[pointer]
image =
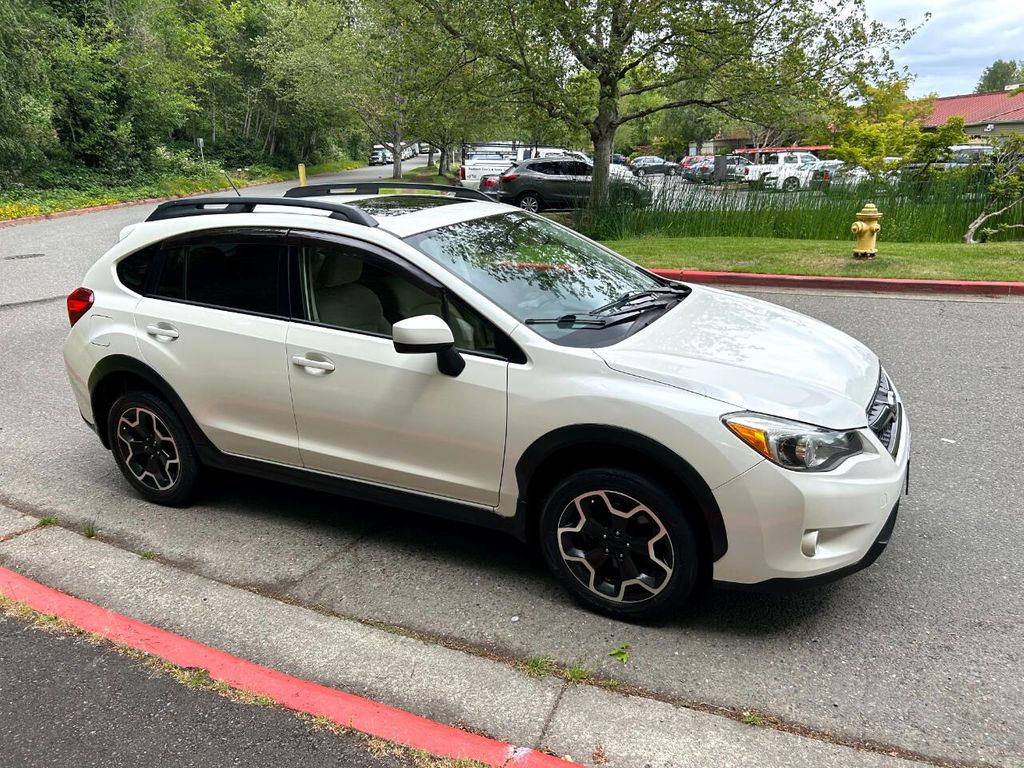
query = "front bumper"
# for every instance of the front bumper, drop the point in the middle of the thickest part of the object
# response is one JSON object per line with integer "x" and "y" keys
{"x": 849, "y": 513}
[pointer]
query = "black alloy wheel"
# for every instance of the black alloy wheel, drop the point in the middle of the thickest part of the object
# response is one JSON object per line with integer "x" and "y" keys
{"x": 152, "y": 448}
{"x": 619, "y": 543}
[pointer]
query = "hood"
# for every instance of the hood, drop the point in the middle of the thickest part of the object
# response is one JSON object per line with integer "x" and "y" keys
{"x": 755, "y": 356}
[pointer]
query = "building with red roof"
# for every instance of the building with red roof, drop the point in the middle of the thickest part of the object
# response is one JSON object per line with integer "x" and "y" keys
{"x": 985, "y": 114}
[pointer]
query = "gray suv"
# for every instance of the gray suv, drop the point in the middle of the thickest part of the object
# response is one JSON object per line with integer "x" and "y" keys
{"x": 561, "y": 182}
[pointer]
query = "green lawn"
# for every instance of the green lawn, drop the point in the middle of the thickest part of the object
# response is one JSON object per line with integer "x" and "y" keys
{"x": 932, "y": 261}
{"x": 426, "y": 175}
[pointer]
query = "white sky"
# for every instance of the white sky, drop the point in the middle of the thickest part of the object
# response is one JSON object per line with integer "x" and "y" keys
{"x": 963, "y": 37}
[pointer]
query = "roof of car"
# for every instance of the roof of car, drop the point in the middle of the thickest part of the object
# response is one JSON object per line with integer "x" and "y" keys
{"x": 408, "y": 214}
{"x": 400, "y": 208}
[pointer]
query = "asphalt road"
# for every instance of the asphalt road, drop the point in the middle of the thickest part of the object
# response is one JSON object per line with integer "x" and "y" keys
{"x": 922, "y": 650}
{"x": 67, "y": 702}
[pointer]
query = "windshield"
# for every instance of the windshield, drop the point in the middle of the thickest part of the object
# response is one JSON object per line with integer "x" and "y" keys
{"x": 533, "y": 269}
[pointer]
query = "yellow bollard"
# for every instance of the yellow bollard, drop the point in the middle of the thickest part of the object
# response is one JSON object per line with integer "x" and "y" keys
{"x": 302, "y": 174}
{"x": 866, "y": 228}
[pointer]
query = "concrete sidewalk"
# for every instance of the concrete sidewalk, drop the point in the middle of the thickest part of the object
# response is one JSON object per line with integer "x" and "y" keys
{"x": 586, "y": 723}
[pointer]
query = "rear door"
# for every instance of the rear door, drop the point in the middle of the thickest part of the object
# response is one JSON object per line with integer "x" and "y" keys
{"x": 213, "y": 324}
{"x": 579, "y": 176}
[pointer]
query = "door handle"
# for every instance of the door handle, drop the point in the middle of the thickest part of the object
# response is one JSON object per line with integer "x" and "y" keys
{"x": 161, "y": 332}
{"x": 318, "y": 367}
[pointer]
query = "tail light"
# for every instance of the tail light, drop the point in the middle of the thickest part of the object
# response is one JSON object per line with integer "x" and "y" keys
{"x": 827, "y": 175}
{"x": 462, "y": 172}
{"x": 510, "y": 177}
{"x": 746, "y": 171}
{"x": 79, "y": 302}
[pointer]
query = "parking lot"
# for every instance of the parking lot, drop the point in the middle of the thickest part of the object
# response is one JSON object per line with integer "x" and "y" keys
{"x": 921, "y": 651}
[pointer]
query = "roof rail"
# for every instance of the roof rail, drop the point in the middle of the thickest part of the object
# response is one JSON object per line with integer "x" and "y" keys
{"x": 209, "y": 206}
{"x": 374, "y": 188}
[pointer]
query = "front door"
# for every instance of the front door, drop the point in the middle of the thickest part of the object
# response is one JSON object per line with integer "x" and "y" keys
{"x": 363, "y": 410}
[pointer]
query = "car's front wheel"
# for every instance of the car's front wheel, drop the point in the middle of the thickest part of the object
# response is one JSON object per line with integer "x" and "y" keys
{"x": 792, "y": 184}
{"x": 152, "y": 448}
{"x": 620, "y": 543}
{"x": 530, "y": 201}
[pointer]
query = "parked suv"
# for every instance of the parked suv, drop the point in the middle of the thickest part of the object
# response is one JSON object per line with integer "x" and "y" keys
{"x": 443, "y": 352}
{"x": 562, "y": 182}
{"x": 647, "y": 165}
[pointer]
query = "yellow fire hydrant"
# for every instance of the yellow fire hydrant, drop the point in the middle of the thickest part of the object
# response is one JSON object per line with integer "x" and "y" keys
{"x": 866, "y": 229}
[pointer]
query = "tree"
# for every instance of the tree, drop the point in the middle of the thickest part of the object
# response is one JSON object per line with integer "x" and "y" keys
{"x": 25, "y": 99}
{"x": 582, "y": 60}
{"x": 1005, "y": 190}
{"x": 1000, "y": 74}
{"x": 886, "y": 123}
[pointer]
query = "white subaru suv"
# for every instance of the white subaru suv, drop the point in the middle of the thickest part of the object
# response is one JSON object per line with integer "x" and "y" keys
{"x": 431, "y": 349}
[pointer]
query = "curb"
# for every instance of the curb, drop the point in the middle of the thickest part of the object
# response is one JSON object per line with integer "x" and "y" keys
{"x": 876, "y": 284}
{"x": 345, "y": 709}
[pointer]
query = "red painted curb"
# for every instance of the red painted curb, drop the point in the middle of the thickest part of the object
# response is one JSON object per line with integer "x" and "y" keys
{"x": 345, "y": 709}
{"x": 886, "y": 285}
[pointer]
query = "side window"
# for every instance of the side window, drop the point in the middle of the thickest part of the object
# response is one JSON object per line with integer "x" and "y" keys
{"x": 581, "y": 169}
{"x": 346, "y": 287}
{"x": 132, "y": 271}
{"x": 548, "y": 169}
{"x": 239, "y": 271}
{"x": 342, "y": 288}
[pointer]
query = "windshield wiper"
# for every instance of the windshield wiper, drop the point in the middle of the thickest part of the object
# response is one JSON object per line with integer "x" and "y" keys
{"x": 568, "y": 320}
{"x": 632, "y": 296}
{"x": 587, "y": 320}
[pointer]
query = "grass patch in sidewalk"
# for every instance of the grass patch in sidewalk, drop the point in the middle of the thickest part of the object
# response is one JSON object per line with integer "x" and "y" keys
{"x": 924, "y": 261}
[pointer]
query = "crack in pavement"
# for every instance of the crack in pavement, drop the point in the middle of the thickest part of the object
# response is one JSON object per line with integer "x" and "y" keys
{"x": 22, "y": 532}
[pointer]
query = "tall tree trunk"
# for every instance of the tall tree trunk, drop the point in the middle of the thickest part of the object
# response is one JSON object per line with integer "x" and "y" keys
{"x": 430, "y": 155}
{"x": 396, "y": 151}
{"x": 602, "y": 132}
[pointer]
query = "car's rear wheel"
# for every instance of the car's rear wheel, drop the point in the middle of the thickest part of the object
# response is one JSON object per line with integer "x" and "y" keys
{"x": 152, "y": 448}
{"x": 620, "y": 543}
{"x": 641, "y": 172}
{"x": 530, "y": 201}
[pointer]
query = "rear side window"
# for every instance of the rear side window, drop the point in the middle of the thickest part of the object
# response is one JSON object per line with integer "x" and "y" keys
{"x": 245, "y": 272}
{"x": 548, "y": 169}
{"x": 132, "y": 271}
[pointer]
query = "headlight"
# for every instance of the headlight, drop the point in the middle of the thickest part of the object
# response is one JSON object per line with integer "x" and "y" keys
{"x": 792, "y": 444}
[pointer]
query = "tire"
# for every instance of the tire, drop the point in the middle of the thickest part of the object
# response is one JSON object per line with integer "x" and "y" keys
{"x": 152, "y": 449}
{"x": 530, "y": 201}
{"x": 641, "y": 172}
{"x": 792, "y": 184}
{"x": 628, "y": 513}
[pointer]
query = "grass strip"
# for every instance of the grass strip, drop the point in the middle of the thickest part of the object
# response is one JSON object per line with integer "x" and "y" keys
{"x": 923, "y": 261}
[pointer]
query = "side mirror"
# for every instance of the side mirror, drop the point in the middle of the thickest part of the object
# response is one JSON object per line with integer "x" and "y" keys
{"x": 428, "y": 333}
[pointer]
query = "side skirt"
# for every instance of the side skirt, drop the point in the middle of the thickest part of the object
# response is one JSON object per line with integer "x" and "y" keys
{"x": 363, "y": 491}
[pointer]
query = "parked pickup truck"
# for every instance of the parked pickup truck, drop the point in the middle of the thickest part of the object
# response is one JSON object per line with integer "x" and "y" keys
{"x": 776, "y": 164}
{"x": 474, "y": 168}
